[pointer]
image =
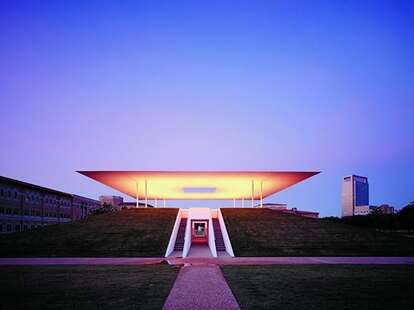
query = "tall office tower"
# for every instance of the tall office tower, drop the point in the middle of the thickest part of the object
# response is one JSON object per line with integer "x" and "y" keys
{"x": 355, "y": 195}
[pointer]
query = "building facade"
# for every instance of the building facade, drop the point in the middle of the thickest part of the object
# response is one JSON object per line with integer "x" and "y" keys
{"x": 382, "y": 209}
{"x": 114, "y": 201}
{"x": 282, "y": 207}
{"x": 355, "y": 196}
{"x": 25, "y": 206}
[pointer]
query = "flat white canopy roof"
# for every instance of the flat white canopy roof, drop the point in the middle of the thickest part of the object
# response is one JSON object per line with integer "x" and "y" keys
{"x": 203, "y": 185}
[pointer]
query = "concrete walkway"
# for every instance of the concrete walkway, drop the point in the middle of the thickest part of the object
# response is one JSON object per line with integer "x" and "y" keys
{"x": 80, "y": 261}
{"x": 292, "y": 260}
{"x": 199, "y": 250}
{"x": 206, "y": 260}
{"x": 200, "y": 287}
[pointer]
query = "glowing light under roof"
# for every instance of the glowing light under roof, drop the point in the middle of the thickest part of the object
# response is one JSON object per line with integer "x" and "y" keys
{"x": 222, "y": 184}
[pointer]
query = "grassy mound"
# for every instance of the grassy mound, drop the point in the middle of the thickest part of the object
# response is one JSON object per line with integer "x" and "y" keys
{"x": 264, "y": 232}
{"x": 134, "y": 232}
{"x": 86, "y": 287}
{"x": 314, "y": 287}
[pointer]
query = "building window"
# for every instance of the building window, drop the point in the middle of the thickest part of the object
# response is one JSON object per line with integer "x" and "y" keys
{"x": 9, "y": 228}
{"x": 17, "y": 227}
{"x": 8, "y": 211}
{"x": 1, "y": 228}
{"x": 32, "y": 227}
{"x": 2, "y": 210}
{"x": 24, "y": 227}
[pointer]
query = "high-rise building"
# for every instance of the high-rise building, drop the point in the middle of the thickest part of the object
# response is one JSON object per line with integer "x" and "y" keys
{"x": 355, "y": 195}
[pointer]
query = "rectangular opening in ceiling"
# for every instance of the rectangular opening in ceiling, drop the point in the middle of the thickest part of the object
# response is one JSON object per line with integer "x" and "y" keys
{"x": 199, "y": 189}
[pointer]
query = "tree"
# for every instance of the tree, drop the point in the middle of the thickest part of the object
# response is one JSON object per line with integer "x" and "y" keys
{"x": 406, "y": 216}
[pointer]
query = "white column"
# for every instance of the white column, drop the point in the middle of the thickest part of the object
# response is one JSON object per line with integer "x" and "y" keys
{"x": 234, "y": 202}
{"x": 137, "y": 205}
{"x": 164, "y": 202}
{"x": 252, "y": 193}
{"x": 242, "y": 202}
{"x": 146, "y": 194}
{"x": 156, "y": 202}
{"x": 261, "y": 194}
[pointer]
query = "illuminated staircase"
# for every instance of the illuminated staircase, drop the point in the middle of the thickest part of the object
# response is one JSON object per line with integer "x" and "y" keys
{"x": 220, "y": 247}
{"x": 179, "y": 242}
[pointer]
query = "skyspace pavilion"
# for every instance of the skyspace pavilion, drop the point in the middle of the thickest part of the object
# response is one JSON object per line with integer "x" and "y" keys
{"x": 199, "y": 231}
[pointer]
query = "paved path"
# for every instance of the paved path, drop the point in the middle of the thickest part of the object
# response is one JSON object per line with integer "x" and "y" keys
{"x": 292, "y": 260}
{"x": 80, "y": 261}
{"x": 205, "y": 260}
{"x": 200, "y": 287}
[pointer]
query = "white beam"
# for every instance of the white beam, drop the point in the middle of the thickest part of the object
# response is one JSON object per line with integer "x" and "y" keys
{"x": 252, "y": 193}
{"x": 261, "y": 194}
{"x": 137, "y": 205}
{"x": 146, "y": 194}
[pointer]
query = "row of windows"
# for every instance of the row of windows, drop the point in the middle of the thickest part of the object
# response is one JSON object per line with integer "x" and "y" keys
{"x": 32, "y": 197}
{"x": 33, "y": 212}
{"x": 8, "y": 227}
{"x": 8, "y": 194}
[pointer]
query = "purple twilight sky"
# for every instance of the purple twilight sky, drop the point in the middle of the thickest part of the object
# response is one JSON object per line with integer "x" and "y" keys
{"x": 206, "y": 85}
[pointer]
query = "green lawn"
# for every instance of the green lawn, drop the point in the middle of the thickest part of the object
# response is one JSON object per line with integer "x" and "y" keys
{"x": 134, "y": 232}
{"x": 264, "y": 232}
{"x": 86, "y": 287}
{"x": 308, "y": 287}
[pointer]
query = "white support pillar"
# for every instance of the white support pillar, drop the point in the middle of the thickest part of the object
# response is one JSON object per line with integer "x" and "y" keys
{"x": 242, "y": 202}
{"x": 146, "y": 194}
{"x": 261, "y": 194}
{"x": 252, "y": 193}
{"x": 234, "y": 202}
{"x": 156, "y": 202}
{"x": 164, "y": 202}
{"x": 137, "y": 205}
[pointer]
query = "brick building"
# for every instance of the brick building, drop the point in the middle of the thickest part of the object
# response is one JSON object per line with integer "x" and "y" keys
{"x": 25, "y": 206}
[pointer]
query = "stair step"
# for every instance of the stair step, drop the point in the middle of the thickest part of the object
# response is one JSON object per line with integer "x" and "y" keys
{"x": 179, "y": 242}
{"x": 220, "y": 246}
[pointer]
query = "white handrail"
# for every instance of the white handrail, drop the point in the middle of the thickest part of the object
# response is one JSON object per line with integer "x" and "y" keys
{"x": 187, "y": 238}
{"x": 173, "y": 238}
{"x": 212, "y": 238}
{"x": 226, "y": 238}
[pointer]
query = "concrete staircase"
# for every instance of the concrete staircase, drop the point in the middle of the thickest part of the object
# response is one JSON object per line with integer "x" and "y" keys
{"x": 220, "y": 247}
{"x": 179, "y": 242}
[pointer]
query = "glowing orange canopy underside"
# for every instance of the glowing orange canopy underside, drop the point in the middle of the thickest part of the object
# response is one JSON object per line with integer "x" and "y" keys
{"x": 198, "y": 185}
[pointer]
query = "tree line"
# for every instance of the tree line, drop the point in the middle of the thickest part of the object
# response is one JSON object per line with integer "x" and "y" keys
{"x": 401, "y": 220}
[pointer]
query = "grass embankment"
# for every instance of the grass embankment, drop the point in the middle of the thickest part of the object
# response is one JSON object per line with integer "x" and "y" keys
{"x": 264, "y": 232}
{"x": 134, "y": 232}
{"x": 86, "y": 287}
{"x": 317, "y": 287}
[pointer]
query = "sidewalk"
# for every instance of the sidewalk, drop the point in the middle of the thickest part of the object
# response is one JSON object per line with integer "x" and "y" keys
{"x": 205, "y": 260}
{"x": 80, "y": 261}
{"x": 200, "y": 287}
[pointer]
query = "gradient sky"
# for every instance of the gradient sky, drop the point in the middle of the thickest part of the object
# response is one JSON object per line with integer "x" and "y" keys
{"x": 205, "y": 85}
